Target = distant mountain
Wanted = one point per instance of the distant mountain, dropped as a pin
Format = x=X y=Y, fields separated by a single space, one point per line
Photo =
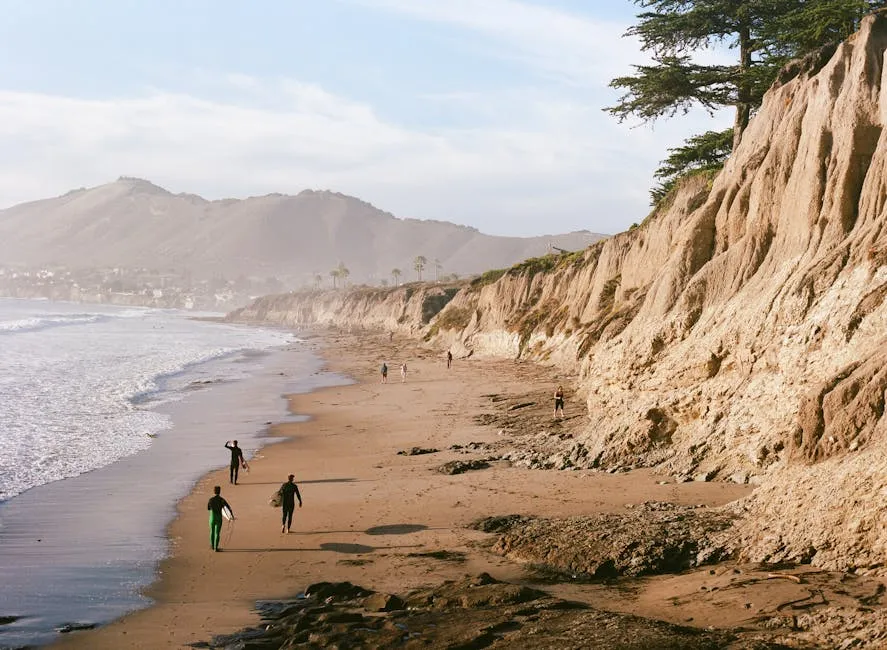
x=133 y=223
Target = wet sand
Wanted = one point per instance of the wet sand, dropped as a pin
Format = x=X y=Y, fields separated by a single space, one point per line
x=368 y=511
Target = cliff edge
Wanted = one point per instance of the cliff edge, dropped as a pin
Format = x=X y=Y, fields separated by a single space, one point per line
x=740 y=333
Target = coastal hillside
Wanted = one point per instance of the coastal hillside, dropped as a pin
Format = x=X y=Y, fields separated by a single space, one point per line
x=132 y=223
x=739 y=333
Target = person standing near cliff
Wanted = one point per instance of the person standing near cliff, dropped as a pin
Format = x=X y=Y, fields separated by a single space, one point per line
x=559 y=401
x=403 y=372
x=288 y=492
x=237 y=460
x=215 y=505
x=449 y=359
x=384 y=371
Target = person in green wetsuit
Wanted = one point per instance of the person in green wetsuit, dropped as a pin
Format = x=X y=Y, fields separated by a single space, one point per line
x=215 y=505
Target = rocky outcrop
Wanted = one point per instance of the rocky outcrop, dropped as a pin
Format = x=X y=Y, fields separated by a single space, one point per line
x=738 y=333
x=650 y=539
x=475 y=612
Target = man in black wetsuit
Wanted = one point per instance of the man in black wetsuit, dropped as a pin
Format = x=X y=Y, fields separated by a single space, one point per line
x=215 y=505
x=236 y=459
x=289 y=492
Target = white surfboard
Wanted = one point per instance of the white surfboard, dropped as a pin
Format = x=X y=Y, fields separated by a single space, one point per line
x=226 y=513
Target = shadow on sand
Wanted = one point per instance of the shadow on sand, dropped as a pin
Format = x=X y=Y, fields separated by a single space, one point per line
x=332 y=547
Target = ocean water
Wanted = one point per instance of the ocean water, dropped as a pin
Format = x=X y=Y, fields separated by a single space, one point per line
x=77 y=383
x=107 y=418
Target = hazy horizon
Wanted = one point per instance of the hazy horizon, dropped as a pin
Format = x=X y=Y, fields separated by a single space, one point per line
x=484 y=115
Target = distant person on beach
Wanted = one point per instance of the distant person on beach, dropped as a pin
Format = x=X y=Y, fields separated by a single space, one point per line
x=559 y=401
x=449 y=359
x=215 y=505
x=289 y=492
x=237 y=460
x=384 y=373
x=403 y=372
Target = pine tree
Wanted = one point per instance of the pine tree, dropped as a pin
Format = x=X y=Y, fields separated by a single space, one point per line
x=765 y=34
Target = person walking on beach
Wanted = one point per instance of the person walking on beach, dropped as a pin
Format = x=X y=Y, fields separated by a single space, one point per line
x=215 y=505
x=289 y=492
x=403 y=372
x=449 y=359
x=559 y=401
x=237 y=460
x=384 y=370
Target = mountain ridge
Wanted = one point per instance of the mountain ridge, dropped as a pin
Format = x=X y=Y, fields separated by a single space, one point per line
x=134 y=222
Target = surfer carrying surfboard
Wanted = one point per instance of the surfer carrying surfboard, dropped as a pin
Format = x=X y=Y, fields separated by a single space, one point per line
x=237 y=460
x=289 y=492
x=217 y=506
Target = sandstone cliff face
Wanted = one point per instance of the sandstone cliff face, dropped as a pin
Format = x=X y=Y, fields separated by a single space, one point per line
x=738 y=334
x=405 y=309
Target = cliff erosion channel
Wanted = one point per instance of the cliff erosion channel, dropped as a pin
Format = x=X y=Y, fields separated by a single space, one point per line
x=738 y=334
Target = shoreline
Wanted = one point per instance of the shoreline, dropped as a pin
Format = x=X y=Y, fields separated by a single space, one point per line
x=371 y=516
x=82 y=551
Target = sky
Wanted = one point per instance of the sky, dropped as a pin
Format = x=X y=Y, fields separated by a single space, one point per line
x=481 y=112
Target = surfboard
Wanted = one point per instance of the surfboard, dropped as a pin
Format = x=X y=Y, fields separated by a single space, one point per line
x=226 y=513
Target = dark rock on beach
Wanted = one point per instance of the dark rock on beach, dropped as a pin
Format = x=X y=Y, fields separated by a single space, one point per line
x=475 y=612
x=74 y=627
x=652 y=538
x=417 y=451
x=461 y=466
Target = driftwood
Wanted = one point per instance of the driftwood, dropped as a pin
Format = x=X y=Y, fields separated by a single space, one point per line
x=785 y=576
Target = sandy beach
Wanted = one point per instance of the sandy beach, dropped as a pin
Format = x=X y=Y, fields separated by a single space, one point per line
x=369 y=513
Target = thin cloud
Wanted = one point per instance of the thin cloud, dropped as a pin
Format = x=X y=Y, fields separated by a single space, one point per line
x=574 y=48
x=495 y=178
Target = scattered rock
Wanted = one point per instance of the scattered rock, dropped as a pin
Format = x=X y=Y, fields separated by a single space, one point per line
x=475 y=612
x=521 y=405
x=653 y=538
x=446 y=556
x=66 y=628
x=417 y=451
x=379 y=602
x=498 y=524
x=461 y=466
x=335 y=591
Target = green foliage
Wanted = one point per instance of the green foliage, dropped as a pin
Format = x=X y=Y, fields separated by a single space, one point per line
x=673 y=85
x=487 y=277
x=527 y=326
x=433 y=304
x=454 y=318
x=706 y=152
x=534 y=265
x=673 y=31
x=765 y=34
x=819 y=23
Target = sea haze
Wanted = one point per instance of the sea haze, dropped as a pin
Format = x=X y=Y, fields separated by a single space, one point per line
x=78 y=384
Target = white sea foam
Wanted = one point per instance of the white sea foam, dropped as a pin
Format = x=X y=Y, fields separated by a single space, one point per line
x=78 y=384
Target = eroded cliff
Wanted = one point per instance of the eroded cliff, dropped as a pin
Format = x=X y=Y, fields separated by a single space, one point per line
x=738 y=334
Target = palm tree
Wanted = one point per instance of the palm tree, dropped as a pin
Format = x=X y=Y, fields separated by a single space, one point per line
x=334 y=274
x=395 y=275
x=437 y=267
x=419 y=264
x=343 y=272
x=318 y=278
